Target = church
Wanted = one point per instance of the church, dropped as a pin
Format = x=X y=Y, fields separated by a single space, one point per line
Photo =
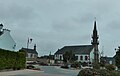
x=6 y=40
x=83 y=53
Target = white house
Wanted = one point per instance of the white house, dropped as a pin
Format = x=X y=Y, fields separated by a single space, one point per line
x=30 y=53
x=6 y=41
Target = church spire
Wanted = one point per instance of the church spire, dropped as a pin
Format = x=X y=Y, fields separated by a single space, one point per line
x=95 y=43
x=95 y=35
x=95 y=25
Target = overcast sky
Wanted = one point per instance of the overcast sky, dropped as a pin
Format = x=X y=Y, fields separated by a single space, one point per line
x=53 y=24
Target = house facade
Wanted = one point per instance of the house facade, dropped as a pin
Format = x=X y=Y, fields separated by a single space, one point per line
x=6 y=40
x=31 y=54
x=83 y=53
x=108 y=60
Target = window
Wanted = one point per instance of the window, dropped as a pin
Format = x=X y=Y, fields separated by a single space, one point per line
x=31 y=55
x=110 y=62
x=86 y=58
x=81 y=57
x=76 y=57
x=60 y=57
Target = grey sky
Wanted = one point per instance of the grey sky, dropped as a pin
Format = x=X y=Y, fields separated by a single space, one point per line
x=55 y=23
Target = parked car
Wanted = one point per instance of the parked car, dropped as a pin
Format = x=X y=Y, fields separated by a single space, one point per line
x=30 y=66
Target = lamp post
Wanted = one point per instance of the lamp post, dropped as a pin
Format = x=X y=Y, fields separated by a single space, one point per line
x=28 y=42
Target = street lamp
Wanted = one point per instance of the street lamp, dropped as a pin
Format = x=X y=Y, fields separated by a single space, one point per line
x=28 y=42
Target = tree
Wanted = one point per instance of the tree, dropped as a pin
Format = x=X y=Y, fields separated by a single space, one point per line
x=102 y=63
x=117 y=58
x=69 y=56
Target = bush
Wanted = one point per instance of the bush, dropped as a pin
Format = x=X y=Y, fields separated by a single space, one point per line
x=76 y=65
x=98 y=72
x=94 y=72
x=11 y=60
x=85 y=72
x=110 y=67
x=104 y=72
x=96 y=65
x=114 y=73
x=84 y=63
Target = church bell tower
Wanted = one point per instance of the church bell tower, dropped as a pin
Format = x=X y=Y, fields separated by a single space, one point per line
x=95 y=43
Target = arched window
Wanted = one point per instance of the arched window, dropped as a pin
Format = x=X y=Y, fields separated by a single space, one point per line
x=76 y=57
x=81 y=57
x=86 y=57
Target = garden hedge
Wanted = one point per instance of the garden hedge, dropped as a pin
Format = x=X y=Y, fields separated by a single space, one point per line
x=11 y=60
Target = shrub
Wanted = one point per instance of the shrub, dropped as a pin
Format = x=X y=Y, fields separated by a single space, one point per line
x=85 y=72
x=110 y=67
x=104 y=72
x=98 y=72
x=84 y=63
x=114 y=73
x=96 y=65
x=76 y=65
x=11 y=60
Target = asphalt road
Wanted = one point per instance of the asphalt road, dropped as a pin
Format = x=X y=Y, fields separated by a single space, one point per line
x=47 y=71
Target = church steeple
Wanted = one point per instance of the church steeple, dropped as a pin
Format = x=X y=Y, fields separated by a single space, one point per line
x=95 y=35
x=95 y=43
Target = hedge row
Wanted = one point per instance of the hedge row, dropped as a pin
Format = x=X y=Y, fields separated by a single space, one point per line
x=11 y=60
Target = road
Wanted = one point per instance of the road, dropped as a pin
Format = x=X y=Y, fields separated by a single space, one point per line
x=47 y=71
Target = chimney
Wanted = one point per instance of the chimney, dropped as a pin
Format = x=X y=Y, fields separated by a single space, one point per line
x=35 y=47
x=1 y=26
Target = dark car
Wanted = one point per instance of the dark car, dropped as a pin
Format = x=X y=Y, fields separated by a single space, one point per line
x=30 y=67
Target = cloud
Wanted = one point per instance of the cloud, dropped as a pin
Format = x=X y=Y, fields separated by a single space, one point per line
x=55 y=23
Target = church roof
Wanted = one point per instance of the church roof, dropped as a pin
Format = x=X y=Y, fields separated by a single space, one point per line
x=80 y=49
x=30 y=50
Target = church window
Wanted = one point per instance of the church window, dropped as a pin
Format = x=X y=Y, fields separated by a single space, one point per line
x=81 y=57
x=86 y=58
x=76 y=57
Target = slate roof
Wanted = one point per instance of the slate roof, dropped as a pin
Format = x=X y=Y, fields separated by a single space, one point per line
x=80 y=49
x=30 y=50
x=107 y=58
